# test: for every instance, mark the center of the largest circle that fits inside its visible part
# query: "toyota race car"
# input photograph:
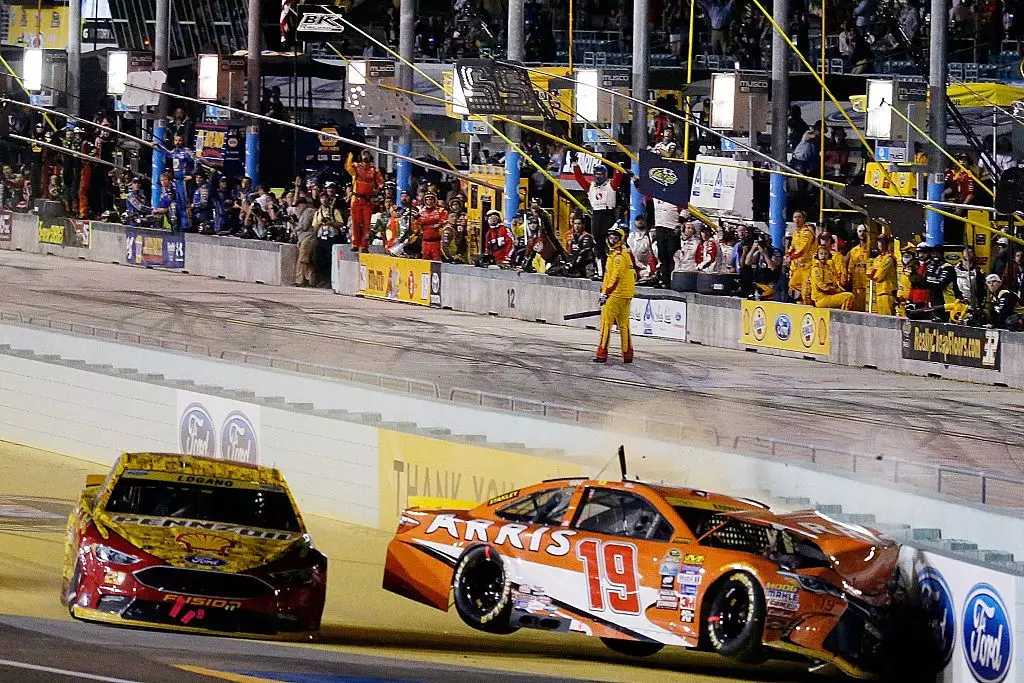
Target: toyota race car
(192, 544)
(642, 566)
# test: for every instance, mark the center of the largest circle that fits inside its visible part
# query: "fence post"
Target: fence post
(939, 489)
(984, 488)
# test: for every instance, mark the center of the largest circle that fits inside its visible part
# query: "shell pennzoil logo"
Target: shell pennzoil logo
(807, 330)
(758, 323)
(203, 542)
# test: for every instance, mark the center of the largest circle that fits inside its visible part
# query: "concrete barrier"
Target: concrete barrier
(857, 339)
(230, 258)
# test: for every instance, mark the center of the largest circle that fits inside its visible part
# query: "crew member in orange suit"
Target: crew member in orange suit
(617, 292)
(366, 182)
(432, 220)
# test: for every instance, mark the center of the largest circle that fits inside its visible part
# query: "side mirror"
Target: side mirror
(95, 479)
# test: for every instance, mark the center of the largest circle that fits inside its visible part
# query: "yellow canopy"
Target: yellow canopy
(966, 95)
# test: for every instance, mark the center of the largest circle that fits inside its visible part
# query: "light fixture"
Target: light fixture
(356, 72)
(32, 70)
(117, 71)
(879, 109)
(587, 95)
(209, 73)
(723, 101)
(459, 94)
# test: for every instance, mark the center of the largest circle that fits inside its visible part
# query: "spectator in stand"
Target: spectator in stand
(883, 274)
(797, 126)
(1003, 307)
(685, 258)
(764, 264)
(826, 291)
(720, 17)
(642, 247)
(329, 224)
(970, 282)
(728, 252)
(847, 42)
(807, 155)
(305, 233)
(1001, 259)
(960, 187)
(837, 153)
(707, 256)
(863, 13)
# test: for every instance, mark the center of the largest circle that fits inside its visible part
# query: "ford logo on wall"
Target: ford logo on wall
(783, 327)
(196, 433)
(238, 439)
(987, 635)
(937, 601)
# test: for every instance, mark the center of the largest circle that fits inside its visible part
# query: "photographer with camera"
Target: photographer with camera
(761, 263)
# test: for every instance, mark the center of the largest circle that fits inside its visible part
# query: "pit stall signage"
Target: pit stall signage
(413, 281)
(788, 327)
(153, 248)
(970, 347)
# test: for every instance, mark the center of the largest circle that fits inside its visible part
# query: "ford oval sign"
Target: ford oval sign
(987, 635)
(196, 433)
(205, 561)
(937, 601)
(238, 439)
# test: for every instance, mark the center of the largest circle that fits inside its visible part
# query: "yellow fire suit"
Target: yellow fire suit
(858, 265)
(619, 286)
(883, 273)
(801, 256)
(825, 289)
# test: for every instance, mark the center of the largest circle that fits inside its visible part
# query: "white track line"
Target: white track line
(63, 672)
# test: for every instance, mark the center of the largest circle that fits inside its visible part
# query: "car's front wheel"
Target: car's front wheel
(632, 648)
(734, 618)
(483, 591)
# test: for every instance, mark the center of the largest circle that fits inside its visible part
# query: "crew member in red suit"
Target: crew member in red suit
(499, 242)
(366, 181)
(432, 220)
(603, 196)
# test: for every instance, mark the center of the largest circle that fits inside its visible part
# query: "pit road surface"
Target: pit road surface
(368, 634)
(735, 392)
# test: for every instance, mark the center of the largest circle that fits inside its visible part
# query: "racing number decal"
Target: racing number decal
(610, 570)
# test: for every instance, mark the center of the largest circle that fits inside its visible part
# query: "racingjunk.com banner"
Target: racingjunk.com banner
(971, 347)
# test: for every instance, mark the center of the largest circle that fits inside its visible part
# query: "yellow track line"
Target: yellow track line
(222, 675)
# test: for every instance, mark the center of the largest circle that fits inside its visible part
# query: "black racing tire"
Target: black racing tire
(733, 618)
(482, 591)
(71, 595)
(632, 648)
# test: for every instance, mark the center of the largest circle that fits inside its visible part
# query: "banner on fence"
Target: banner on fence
(971, 347)
(154, 248)
(664, 318)
(6, 223)
(789, 327)
(66, 232)
(413, 281)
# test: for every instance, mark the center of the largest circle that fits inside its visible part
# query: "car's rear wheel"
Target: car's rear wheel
(483, 591)
(632, 648)
(734, 618)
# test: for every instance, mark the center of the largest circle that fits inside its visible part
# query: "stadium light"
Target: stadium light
(459, 106)
(879, 109)
(356, 72)
(32, 69)
(209, 73)
(587, 95)
(117, 71)
(723, 100)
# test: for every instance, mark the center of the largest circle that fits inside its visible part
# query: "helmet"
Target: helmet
(617, 231)
(493, 212)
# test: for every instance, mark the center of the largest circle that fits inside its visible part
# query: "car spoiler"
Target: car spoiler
(430, 503)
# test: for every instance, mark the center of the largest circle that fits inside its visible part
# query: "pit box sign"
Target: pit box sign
(65, 232)
(788, 327)
(662, 318)
(970, 347)
(412, 281)
(6, 223)
(973, 612)
(154, 249)
(215, 427)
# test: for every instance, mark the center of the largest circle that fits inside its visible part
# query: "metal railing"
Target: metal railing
(988, 488)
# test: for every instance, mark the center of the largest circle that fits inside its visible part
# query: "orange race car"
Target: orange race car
(643, 565)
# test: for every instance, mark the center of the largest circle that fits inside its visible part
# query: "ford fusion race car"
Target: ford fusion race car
(194, 544)
(642, 566)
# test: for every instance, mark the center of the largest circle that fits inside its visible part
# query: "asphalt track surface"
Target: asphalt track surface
(368, 635)
(737, 393)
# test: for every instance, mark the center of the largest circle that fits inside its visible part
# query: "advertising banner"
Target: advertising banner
(972, 610)
(214, 427)
(153, 248)
(413, 281)
(722, 189)
(66, 232)
(971, 347)
(789, 327)
(414, 466)
(37, 27)
(6, 223)
(222, 146)
(663, 179)
(663, 318)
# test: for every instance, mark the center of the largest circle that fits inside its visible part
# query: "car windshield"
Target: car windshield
(242, 505)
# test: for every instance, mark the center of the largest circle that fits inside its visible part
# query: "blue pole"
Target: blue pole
(511, 185)
(636, 200)
(252, 154)
(934, 224)
(403, 171)
(159, 161)
(777, 211)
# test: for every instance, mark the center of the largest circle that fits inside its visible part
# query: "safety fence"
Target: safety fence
(978, 486)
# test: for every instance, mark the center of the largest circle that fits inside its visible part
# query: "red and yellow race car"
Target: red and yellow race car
(192, 544)
(642, 566)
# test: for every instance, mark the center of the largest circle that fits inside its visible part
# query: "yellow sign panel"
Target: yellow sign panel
(32, 27)
(397, 279)
(789, 327)
(417, 467)
(894, 184)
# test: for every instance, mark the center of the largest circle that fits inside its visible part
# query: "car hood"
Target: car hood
(195, 544)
